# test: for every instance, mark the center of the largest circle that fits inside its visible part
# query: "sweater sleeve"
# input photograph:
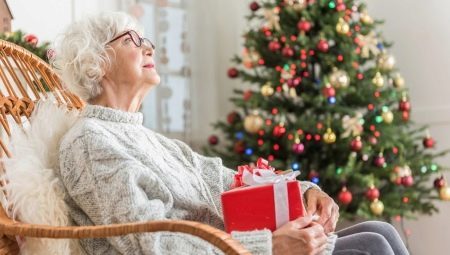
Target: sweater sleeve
(111, 187)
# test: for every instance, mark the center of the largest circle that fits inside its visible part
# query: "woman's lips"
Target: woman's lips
(149, 66)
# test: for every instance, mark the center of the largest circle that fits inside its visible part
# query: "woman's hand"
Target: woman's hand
(318, 202)
(301, 236)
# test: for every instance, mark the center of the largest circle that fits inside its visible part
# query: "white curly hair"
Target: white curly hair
(80, 52)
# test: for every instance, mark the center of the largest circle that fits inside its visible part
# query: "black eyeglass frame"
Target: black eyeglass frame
(130, 33)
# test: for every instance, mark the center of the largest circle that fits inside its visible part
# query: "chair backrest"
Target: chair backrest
(24, 79)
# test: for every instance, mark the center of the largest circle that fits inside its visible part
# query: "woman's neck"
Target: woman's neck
(123, 98)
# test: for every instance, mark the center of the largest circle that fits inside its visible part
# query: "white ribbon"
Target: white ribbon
(279, 181)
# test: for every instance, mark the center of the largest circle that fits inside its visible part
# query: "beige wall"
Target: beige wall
(422, 38)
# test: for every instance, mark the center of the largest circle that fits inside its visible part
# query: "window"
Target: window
(167, 107)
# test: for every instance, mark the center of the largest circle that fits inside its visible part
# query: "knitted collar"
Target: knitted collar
(111, 114)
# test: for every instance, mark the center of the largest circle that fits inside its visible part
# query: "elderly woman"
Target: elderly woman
(115, 170)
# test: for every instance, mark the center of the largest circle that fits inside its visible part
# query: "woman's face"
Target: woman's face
(132, 65)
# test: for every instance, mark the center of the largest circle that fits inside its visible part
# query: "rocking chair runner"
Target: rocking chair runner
(24, 79)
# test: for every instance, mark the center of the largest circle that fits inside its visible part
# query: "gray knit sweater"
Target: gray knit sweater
(116, 171)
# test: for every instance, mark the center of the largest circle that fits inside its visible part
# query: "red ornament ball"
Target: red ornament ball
(233, 117)
(329, 91)
(279, 131)
(404, 105)
(345, 197)
(372, 193)
(428, 142)
(323, 45)
(304, 26)
(407, 181)
(254, 6)
(439, 182)
(379, 161)
(213, 140)
(405, 116)
(274, 46)
(298, 148)
(31, 39)
(287, 52)
(239, 147)
(294, 82)
(233, 72)
(247, 95)
(356, 144)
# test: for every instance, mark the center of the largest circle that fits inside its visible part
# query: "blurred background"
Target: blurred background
(196, 40)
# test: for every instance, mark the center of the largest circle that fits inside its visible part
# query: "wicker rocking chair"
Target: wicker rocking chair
(24, 79)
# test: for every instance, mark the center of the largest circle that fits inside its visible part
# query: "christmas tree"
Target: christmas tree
(324, 96)
(29, 42)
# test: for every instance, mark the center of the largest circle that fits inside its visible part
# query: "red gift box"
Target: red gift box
(268, 203)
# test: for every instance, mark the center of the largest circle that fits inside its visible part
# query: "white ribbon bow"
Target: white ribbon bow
(279, 181)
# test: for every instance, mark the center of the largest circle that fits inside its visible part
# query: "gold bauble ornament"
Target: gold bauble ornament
(342, 27)
(378, 80)
(329, 136)
(339, 78)
(444, 193)
(399, 82)
(267, 90)
(388, 117)
(385, 62)
(377, 207)
(297, 5)
(365, 18)
(253, 123)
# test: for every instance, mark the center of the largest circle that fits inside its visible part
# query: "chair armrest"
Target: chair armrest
(214, 236)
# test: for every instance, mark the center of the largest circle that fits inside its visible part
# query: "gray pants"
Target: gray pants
(371, 237)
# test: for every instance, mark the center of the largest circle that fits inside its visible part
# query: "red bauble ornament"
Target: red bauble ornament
(274, 46)
(428, 142)
(439, 182)
(233, 117)
(329, 91)
(298, 148)
(372, 193)
(294, 82)
(405, 116)
(247, 95)
(345, 197)
(323, 45)
(213, 140)
(407, 181)
(233, 72)
(379, 160)
(31, 39)
(356, 144)
(279, 130)
(340, 7)
(304, 26)
(287, 52)
(404, 105)
(254, 6)
(239, 147)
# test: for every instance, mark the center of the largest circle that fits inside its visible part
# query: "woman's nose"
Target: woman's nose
(148, 50)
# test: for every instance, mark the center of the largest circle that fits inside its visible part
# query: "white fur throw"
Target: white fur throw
(34, 192)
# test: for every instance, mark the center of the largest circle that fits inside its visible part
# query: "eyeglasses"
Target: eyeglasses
(137, 40)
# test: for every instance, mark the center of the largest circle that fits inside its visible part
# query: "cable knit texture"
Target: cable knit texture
(115, 171)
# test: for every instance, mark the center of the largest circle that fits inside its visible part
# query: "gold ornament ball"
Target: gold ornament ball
(365, 18)
(267, 90)
(253, 123)
(444, 193)
(339, 78)
(399, 82)
(297, 5)
(342, 27)
(378, 80)
(386, 62)
(377, 207)
(329, 136)
(388, 117)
